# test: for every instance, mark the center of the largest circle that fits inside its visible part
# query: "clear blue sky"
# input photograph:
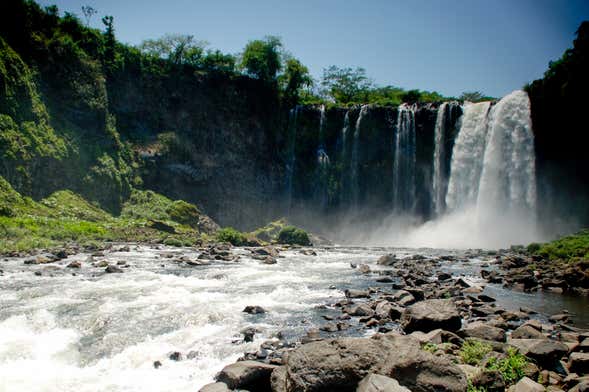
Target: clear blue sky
(451, 46)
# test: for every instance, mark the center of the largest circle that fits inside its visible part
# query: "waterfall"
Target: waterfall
(439, 152)
(404, 160)
(291, 158)
(343, 158)
(467, 156)
(493, 163)
(508, 179)
(322, 162)
(354, 161)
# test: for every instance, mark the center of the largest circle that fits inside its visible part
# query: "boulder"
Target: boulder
(351, 293)
(379, 383)
(329, 365)
(254, 309)
(362, 310)
(389, 259)
(579, 363)
(419, 370)
(431, 314)
(364, 268)
(249, 375)
(527, 385)
(113, 269)
(543, 351)
(215, 387)
(489, 380)
(527, 332)
(481, 330)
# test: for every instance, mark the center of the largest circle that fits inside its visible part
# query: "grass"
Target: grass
(473, 352)
(568, 248)
(511, 367)
(66, 218)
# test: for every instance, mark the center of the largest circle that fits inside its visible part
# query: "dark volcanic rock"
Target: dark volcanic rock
(431, 314)
(113, 269)
(250, 375)
(254, 309)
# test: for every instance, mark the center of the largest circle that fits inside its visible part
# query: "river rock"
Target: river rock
(113, 269)
(364, 268)
(74, 264)
(526, 331)
(250, 375)
(254, 309)
(215, 387)
(483, 331)
(489, 380)
(579, 363)
(544, 351)
(527, 385)
(351, 293)
(431, 314)
(389, 259)
(380, 383)
(362, 310)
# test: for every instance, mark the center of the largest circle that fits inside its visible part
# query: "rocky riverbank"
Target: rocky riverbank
(429, 331)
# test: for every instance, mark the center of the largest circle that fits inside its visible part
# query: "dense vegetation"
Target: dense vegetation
(569, 248)
(561, 137)
(65, 218)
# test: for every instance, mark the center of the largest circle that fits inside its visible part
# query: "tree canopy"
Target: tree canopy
(261, 59)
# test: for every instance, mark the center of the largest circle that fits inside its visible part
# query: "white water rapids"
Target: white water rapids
(94, 331)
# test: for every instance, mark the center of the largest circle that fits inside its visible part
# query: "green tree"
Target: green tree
(295, 77)
(346, 85)
(411, 96)
(217, 61)
(262, 58)
(88, 12)
(176, 48)
(109, 42)
(472, 96)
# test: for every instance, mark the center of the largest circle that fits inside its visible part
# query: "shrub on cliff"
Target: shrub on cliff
(234, 237)
(293, 236)
(569, 248)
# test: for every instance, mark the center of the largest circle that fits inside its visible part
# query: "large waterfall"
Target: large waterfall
(493, 165)
(491, 195)
(291, 155)
(322, 162)
(404, 160)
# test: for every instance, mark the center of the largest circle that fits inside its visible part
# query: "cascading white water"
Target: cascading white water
(343, 156)
(404, 161)
(437, 194)
(354, 161)
(291, 160)
(491, 197)
(467, 156)
(322, 161)
(508, 179)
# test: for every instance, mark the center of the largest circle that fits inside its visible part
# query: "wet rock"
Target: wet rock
(351, 293)
(101, 264)
(403, 298)
(385, 279)
(562, 317)
(269, 260)
(380, 383)
(266, 251)
(388, 260)
(527, 332)
(361, 310)
(431, 314)
(486, 298)
(329, 327)
(489, 380)
(157, 364)
(74, 264)
(175, 356)
(248, 334)
(527, 385)
(113, 269)
(249, 375)
(197, 262)
(215, 387)
(364, 268)
(544, 351)
(444, 276)
(483, 331)
(38, 273)
(254, 309)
